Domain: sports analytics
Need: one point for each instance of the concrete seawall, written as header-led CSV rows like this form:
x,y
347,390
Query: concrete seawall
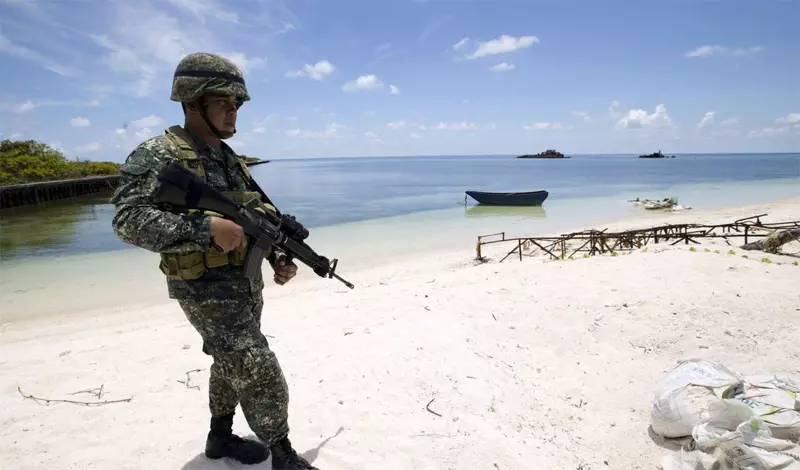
x,y
37,193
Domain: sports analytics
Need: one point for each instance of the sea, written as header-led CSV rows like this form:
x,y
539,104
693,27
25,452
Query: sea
x,y
326,192
364,210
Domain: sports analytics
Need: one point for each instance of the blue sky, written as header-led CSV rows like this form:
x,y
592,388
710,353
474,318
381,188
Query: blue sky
x,y
412,77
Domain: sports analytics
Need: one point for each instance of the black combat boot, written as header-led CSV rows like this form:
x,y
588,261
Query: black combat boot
x,y
222,442
285,458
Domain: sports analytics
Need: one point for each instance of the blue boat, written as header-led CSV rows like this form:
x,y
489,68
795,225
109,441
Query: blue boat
x,y
531,198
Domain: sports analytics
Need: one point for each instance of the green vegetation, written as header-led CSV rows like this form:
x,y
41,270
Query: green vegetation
x,y
29,161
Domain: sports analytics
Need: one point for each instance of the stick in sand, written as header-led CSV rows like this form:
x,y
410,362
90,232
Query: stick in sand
x,y
47,401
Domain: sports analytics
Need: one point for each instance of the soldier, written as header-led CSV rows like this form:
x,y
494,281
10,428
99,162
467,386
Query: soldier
x,y
202,257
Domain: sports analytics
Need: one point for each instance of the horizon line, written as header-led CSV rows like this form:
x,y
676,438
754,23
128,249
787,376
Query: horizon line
x,y
455,155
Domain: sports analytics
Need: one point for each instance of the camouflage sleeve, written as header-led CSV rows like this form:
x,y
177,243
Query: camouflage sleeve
x,y
140,222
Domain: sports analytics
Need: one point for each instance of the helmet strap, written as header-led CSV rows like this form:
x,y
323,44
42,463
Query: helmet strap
x,y
204,113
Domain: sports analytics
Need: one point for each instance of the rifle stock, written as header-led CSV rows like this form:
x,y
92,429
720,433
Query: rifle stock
x,y
179,190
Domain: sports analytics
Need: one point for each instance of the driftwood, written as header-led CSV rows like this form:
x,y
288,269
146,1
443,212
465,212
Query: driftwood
x,y
771,243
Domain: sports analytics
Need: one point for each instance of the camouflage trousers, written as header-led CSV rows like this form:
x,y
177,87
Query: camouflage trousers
x,y
245,371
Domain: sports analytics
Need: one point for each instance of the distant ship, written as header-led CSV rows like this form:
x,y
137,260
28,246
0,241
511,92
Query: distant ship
x,y
549,153
656,155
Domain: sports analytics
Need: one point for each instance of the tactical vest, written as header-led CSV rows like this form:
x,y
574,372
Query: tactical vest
x,y
192,265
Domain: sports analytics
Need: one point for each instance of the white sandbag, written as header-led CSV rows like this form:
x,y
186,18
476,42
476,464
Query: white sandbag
x,y
684,395
774,399
688,460
749,447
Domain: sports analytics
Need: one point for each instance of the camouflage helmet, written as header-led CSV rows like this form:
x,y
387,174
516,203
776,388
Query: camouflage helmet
x,y
202,72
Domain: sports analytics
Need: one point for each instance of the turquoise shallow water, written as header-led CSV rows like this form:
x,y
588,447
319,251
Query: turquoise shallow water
x,y
81,281
331,192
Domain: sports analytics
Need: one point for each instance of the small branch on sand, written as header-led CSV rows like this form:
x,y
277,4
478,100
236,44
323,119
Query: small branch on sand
x,y
774,241
646,349
97,392
47,401
428,407
189,379
430,435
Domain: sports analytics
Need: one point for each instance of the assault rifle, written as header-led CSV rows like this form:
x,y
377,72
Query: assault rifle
x,y
178,190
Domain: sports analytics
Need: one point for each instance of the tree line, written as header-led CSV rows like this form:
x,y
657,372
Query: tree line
x,y
29,161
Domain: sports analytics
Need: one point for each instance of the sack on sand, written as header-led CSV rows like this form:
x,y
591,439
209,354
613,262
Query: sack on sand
x,y
774,399
750,446
684,395
687,460
750,423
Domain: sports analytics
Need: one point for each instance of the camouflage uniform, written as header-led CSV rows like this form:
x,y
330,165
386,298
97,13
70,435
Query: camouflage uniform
x,y
222,304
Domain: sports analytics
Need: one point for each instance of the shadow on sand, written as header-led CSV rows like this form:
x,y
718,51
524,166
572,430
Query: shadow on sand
x,y
201,462
669,444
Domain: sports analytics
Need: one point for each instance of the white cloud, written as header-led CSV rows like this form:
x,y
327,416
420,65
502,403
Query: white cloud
x,y
364,82
80,122
331,132
414,135
791,118
30,105
318,71
717,50
461,44
783,125
394,90
768,132
371,135
10,48
582,114
143,133
15,136
146,43
544,126
148,121
203,8
707,120
502,67
502,45
641,119
90,147
441,126
749,50
613,110
26,106
245,63
731,122
454,126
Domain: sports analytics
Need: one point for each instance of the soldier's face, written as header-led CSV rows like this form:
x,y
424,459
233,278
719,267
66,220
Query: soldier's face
x,y
223,111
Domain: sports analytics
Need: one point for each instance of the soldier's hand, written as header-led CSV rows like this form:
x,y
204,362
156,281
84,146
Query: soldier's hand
x,y
284,272
226,234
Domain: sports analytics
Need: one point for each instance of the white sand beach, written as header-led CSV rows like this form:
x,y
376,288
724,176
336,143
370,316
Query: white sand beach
x,y
524,364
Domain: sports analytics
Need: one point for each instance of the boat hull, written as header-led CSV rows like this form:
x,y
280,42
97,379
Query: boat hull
x,y
533,198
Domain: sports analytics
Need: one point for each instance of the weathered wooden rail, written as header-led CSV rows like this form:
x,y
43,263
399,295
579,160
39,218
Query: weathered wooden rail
x,y
37,193
593,242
